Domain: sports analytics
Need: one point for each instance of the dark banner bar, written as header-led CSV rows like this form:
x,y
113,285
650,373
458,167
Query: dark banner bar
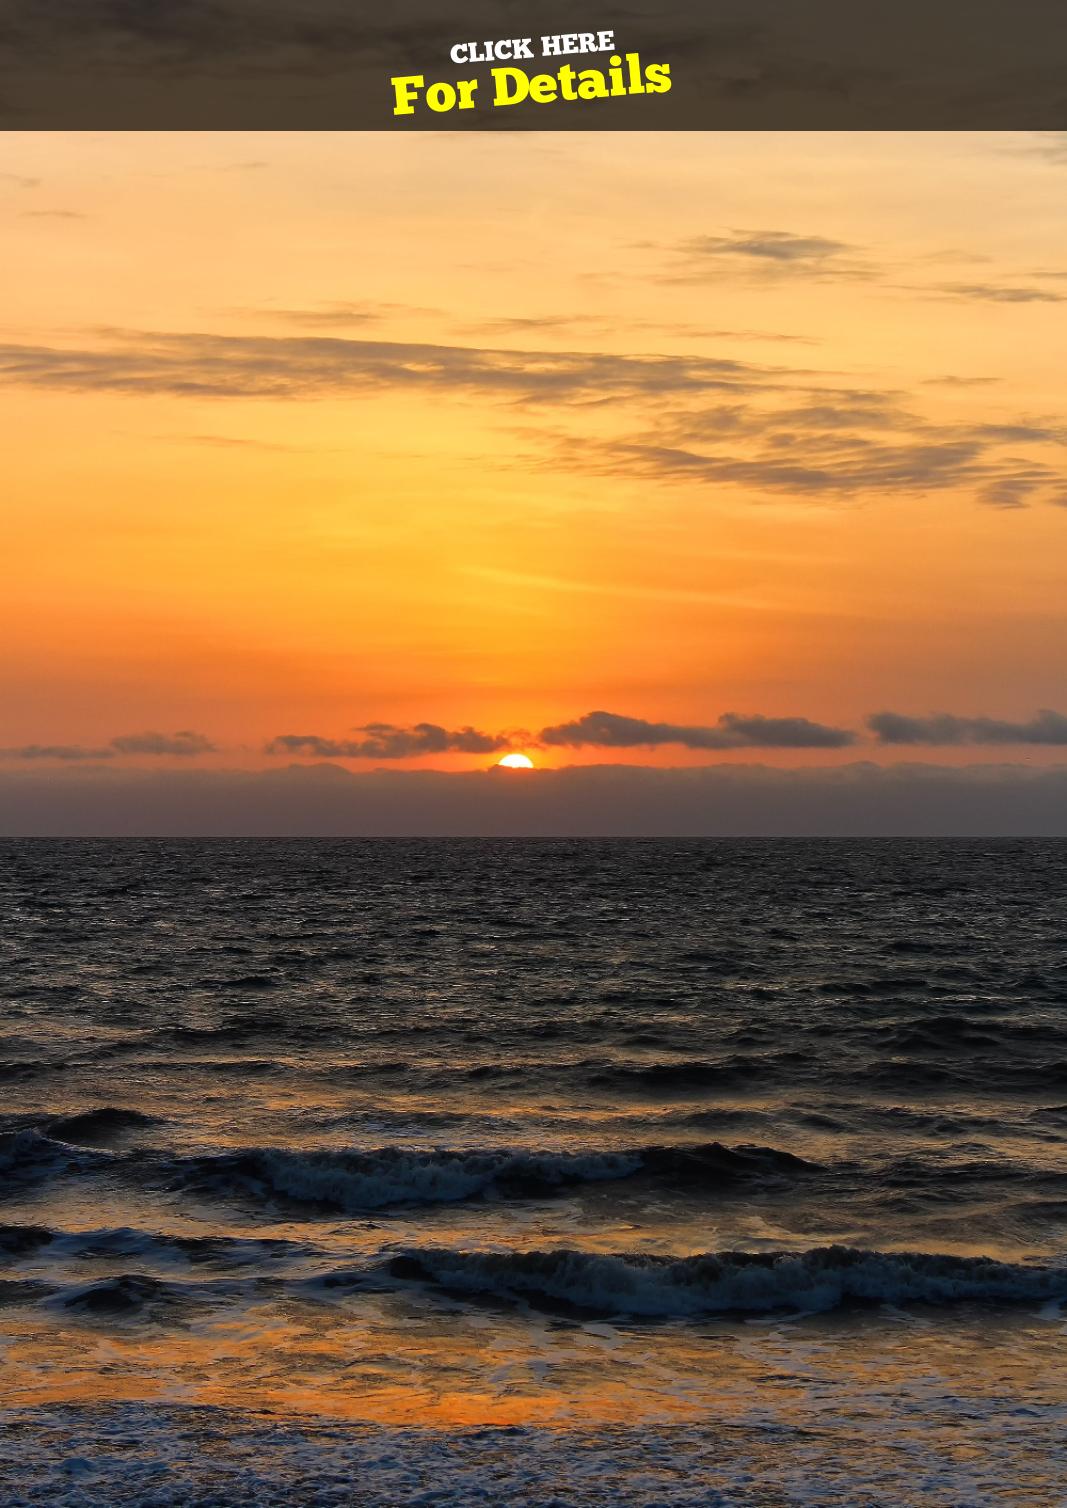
x,y
732,65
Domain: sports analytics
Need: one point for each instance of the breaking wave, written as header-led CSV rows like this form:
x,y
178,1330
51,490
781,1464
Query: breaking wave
x,y
650,1286
20,1241
28,1156
353,1181
101,1124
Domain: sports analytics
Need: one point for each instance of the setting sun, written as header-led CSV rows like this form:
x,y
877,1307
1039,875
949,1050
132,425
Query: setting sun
x,y
515,762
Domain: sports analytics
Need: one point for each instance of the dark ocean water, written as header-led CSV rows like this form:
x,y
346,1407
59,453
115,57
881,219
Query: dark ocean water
x,y
584,1137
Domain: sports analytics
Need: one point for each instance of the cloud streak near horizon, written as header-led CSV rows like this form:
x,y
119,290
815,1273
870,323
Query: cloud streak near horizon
x,y
184,744
942,728
609,730
386,741
593,730
612,730
605,730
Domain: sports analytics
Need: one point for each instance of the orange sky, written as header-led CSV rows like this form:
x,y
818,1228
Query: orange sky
x,y
796,447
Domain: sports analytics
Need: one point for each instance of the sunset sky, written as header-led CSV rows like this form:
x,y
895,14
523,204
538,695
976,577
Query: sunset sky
x,y
749,437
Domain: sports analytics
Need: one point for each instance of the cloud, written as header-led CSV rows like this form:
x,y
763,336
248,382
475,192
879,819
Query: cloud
x,y
534,323
952,381
602,324
1010,492
386,741
1048,146
769,246
997,293
854,800
596,729
609,730
234,366
67,753
1045,727
765,254
840,443
841,466
777,255
184,743
345,313
717,421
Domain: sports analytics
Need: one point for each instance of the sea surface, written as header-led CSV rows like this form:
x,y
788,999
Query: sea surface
x,y
547,1172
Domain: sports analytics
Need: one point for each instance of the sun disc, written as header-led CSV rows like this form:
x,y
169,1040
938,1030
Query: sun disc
x,y
515,762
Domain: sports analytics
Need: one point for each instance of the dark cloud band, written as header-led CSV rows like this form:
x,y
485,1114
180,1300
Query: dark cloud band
x,y
385,741
597,730
942,728
720,799
609,730
183,744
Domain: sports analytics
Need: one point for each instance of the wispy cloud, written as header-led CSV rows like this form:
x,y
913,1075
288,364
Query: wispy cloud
x,y
344,314
66,753
767,255
618,323
184,743
769,453
953,381
1047,146
995,293
234,366
709,419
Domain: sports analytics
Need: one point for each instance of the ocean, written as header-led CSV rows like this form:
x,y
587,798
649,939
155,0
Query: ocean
x,y
554,1172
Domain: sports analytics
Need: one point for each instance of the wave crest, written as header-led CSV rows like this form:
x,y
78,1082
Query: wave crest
x,y
352,1181
651,1286
27,1155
